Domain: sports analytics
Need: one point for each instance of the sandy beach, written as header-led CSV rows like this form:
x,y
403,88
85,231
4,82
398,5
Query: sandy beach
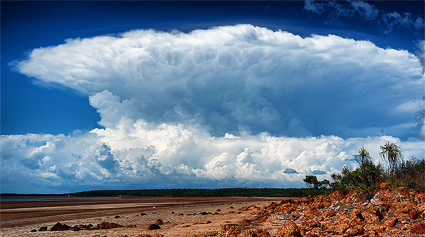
x,y
181,216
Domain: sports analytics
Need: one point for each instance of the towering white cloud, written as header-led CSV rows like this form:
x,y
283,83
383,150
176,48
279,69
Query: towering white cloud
x,y
239,78
225,107
143,155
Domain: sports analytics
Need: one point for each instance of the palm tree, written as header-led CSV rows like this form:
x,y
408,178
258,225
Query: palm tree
x,y
392,153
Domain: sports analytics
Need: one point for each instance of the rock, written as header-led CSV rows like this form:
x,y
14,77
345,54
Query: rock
x,y
60,227
34,230
418,229
44,228
340,228
384,186
229,230
289,228
376,228
255,233
107,225
355,231
116,217
143,214
153,227
75,228
405,206
159,222
414,214
390,222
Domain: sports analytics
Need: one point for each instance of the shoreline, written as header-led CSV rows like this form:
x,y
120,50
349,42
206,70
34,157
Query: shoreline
x,y
181,215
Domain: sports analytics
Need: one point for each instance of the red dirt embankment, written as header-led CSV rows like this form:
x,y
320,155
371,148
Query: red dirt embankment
x,y
388,213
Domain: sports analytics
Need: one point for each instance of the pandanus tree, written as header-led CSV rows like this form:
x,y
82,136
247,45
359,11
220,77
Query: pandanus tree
x,y
391,153
365,161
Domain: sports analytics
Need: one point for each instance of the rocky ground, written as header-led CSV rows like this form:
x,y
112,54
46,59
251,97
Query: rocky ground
x,y
385,213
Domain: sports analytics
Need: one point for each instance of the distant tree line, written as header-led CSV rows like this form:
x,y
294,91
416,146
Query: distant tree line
x,y
222,192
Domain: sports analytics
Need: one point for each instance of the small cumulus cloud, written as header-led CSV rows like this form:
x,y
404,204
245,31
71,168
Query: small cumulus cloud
x,y
290,171
318,172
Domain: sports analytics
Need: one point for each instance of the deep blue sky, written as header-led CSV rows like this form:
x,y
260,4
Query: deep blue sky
x,y
29,108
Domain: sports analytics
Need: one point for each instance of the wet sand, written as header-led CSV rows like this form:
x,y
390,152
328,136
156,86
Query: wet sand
x,y
181,215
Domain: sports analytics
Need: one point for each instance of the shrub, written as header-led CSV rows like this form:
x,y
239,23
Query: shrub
x,y
365,178
410,174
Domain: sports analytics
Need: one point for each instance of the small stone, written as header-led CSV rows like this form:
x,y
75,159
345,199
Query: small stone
x,y
289,228
414,214
153,227
384,186
390,222
418,229
159,222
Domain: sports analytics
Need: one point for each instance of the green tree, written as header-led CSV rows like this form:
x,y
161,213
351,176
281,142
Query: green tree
x,y
315,185
391,153
365,178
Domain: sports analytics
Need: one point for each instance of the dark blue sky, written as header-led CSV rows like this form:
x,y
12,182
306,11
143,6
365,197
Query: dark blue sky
x,y
29,108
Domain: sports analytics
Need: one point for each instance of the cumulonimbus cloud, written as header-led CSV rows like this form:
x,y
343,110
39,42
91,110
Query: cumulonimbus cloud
x,y
241,78
233,106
